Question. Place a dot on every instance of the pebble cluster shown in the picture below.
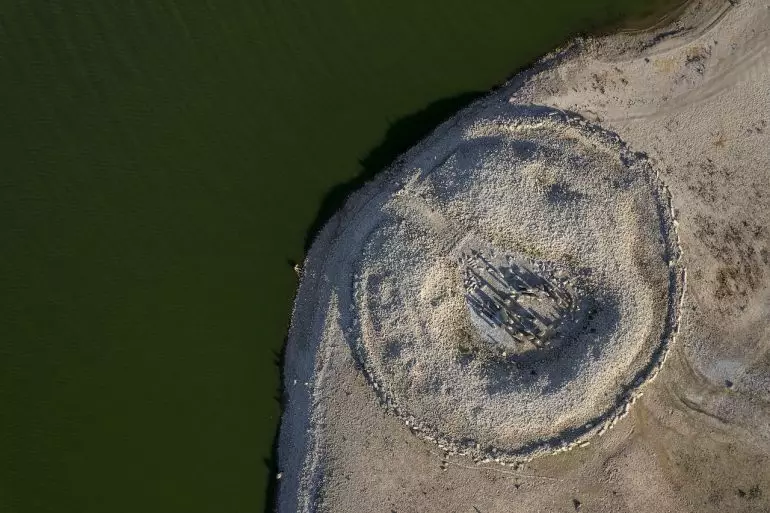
(518, 307)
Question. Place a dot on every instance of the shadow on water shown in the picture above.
(401, 135)
(272, 462)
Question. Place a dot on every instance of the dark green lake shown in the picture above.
(162, 162)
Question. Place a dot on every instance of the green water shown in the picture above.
(161, 162)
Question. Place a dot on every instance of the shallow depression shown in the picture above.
(521, 307)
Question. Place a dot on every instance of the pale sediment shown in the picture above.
(507, 288)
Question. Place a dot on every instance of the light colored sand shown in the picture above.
(390, 380)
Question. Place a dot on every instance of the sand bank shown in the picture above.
(515, 282)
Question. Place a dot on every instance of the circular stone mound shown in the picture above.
(518, 287)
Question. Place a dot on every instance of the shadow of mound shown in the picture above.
(402, 135)
(271, 462)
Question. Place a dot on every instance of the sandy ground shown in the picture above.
(694, 97)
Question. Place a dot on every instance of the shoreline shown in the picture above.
(303, 419)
